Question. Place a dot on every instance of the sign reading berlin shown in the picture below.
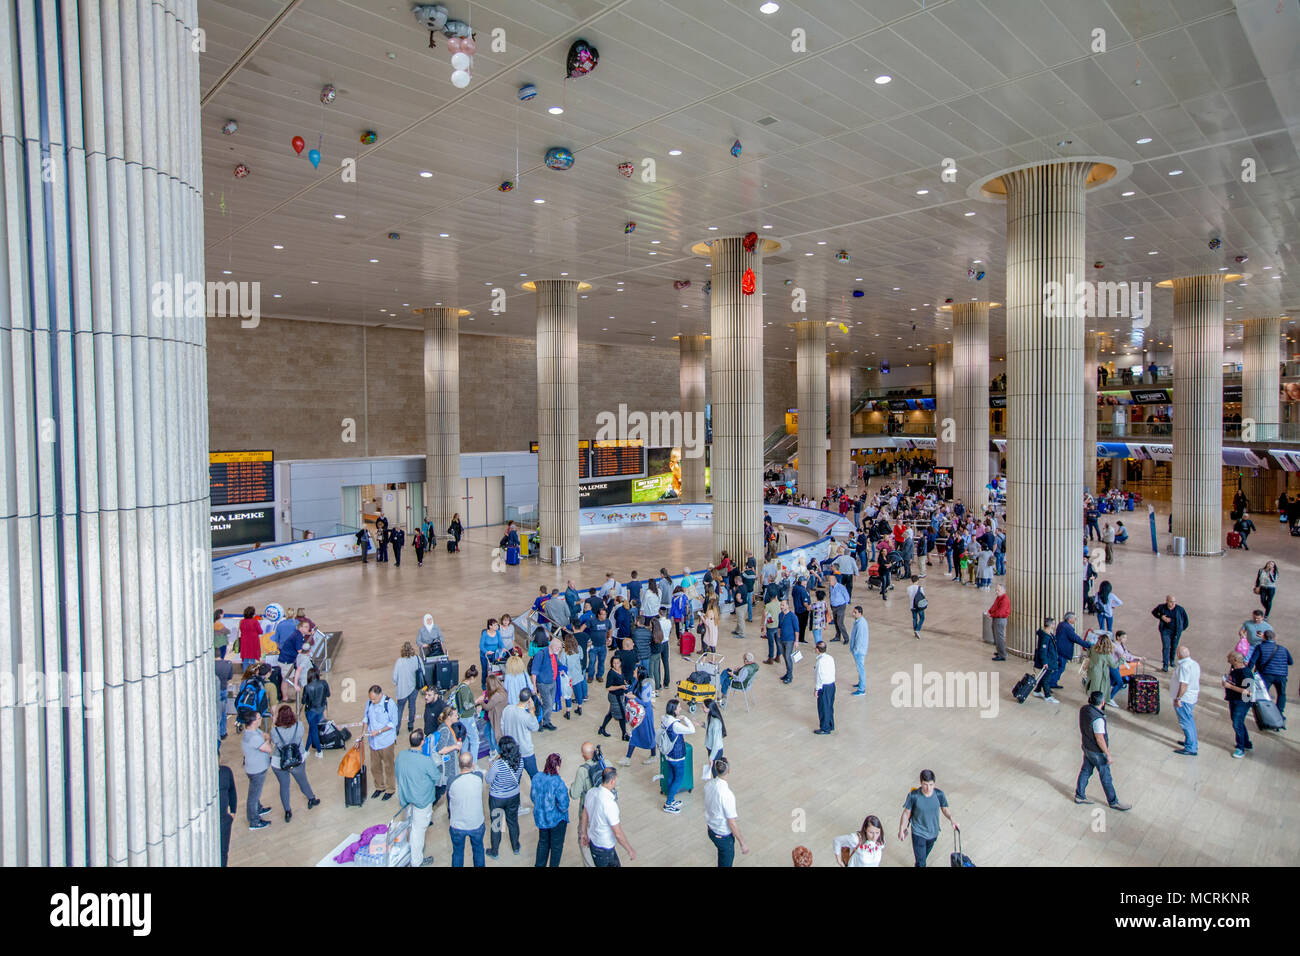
(241, 477)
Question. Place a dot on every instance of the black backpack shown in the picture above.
(596, 769)
(290, 755)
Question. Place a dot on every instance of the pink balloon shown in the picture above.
(456, 45)
(467, 45)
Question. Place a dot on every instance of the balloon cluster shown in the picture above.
(629, 226)
(747, 283)
(460, 41)
(1099, 264)
(582, 59)
(750, 242)
(394, 236)
(557, 157)
(506, 186)
(681, 284)
(735, 148)
(844, 328)
(368, 137)
(842, 256)
(241, 171)
(230, 127)
(327, 93)
(708, 287)
(527, 92)
(626, 169)
(1215, 242)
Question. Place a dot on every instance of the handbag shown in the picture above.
(352, 761)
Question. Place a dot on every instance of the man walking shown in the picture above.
(1096, 752)
(465, 802)
(599, 826)
(1066, 638)
(824, 688)
(545, 669)
(397, 538)
(839, 599)
(1244, 526)
(859, 640)
(520, 722)
(1186, 687)
(720, 814)
(418, 780)
(999, 612)
(1172, 622)
(1272, 662)
(381, 720)
(787, 626)
(921, 812)
(1045, 658)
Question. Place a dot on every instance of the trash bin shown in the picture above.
(557, 555)
(1179, 546)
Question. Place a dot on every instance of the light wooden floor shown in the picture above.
(1008, 778)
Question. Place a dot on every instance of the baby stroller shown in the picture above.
(702, 684)
(873, 576)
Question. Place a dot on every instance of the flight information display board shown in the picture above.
(584, 453)
(613, 459)
(241, 477)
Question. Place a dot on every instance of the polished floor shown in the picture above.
(1008, 770)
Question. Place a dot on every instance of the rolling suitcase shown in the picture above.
(688, 773)
(1025, 686)
(354, 788)
(512, 555)
(957, 857)
(1144, 694)
(1267, 716)
(1234, 539)
(687, 642)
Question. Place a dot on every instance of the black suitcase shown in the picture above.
(333, 737)
(451, 546)
(447, 674)
(1025, 686)
(354, 789)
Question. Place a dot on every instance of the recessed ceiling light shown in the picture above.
(674, 152)
(978, 262)
(225, 272)
(1153, 252)
(652, 322)
(1266, 268)
(653, 253)
(425, 174)
(858, 279)
(406, 305)
(821, 242)
(713, 228)
(444, 235)
(374, 260)
(923, 192)
(1128, 237)
(768, 226)
(808, 253)
(970, 214)
(1225, 269)
(555, 110)
(606, 330)
(770, 7)
(620, 281)
(654, 242)
(1175, 172)
(315, 282)
(277, 246)
(539, 201)
(883, 78)
(1144, 140)
(275, 295)
(339, 215)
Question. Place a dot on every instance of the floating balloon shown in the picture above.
(1215, 242)
(970, 273)
(369, 136)
(858, 293)
(1099, 264)
(750, 242)
(747, 282)
(230, 127)
(460, 61)
(626, 169)
(299, 144)
(787, 282)
(460, 79)
(1240, 259)
(844, 328)
(314, 156)
(708, 287)
(506, 186)
(394, 236)
(948, 301)
(629, 227)
(681, 284)
(557, 157)
(431, 15)
(582, 59)
(527, 92)
(468, 45)
(241, 171)
(979, 275)
(735, 148)
(456, 28)
(327, 93)
(842, 256)
(456, 45)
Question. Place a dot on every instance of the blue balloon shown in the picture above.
(858, 293)
(314, 156)
(527, 92)
(557, 157)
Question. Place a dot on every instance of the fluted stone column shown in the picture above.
(1261, 375)
(109, 757)
(839, 391)
(1045, 243)
(694, 372)
(810, 374)
(944, 451)
(442, 414)
(1198, 412)
(736, 359)
(970, 402)
(1091, 354)
(557, 417)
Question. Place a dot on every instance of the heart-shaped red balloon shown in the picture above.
(747, 282)
(750, 241)
(299, 144)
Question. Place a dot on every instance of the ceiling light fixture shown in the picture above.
(444, 235)
(768, 226)
(969, 214)
(674, 152)
(883, 78)
(923, 192)
(425, 174)
(769, 8)
(339, 215)
(1175, 172)
(539, 201)
(1144, 140)
(374, 260)
(277, 246)
(555, 110)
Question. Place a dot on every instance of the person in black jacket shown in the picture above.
(1173, 621)
(397, 538)
(229, 800)
(314, 696)
(381, 545)
(1045, 657)
(1066, 638)
(1244, 526)
(455, 530)
(1096, 752)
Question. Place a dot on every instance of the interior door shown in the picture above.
(494, 511)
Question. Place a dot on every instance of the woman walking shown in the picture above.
(1103, 669)
(406, 686)
(1266, 585)
(421, 544)
(455, 530)
(1107, 601)
(865, 848)
(221, 634)
(289, 743)
(504, 776)
(250, 637)
(714, 732)
(615, 688)
(573, 676)
(639, 701)
(550, 798)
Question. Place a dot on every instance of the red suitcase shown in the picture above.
(1234, 539)
(687, 643)
(1144, 694)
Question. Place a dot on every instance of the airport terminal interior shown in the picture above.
(936, 360)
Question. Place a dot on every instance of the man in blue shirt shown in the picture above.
(290, 634)
(634, 589)
(839, 600)
(1066, 638)
(572, 599)
(787, 628)
(801, 599)
(381, 720)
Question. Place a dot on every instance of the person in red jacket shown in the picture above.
(1000, 611)
(250, 637)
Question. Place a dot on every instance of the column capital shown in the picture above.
(1098, 171)
(1182, 282)
(530, 285)
(955, 307)
(443, 311)
(704, 247)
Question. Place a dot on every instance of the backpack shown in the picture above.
(465, 701)
(595, 771)
(633, 711)
(667, 740)
(246, 709)
(920, 603)
(290, 754)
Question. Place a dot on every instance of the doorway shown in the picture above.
(483, 501)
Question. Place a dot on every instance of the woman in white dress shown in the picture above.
(864, 848)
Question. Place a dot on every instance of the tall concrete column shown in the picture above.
(810, 374)
(109, 757)
(1091, 354)
(1261, 375)
(736, 360)
(557, 417)
(1045, 244)
(944, 453)
(694, 372)
(1198, 412)
(442, 480)
(970, 402)
(839, 392)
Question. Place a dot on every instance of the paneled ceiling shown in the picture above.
(830, 160)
